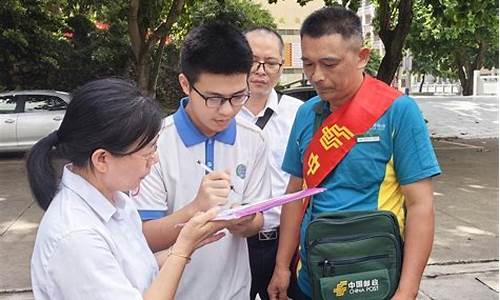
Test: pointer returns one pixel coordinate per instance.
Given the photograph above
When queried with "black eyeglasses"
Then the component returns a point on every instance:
(217, 101)
(268, 67)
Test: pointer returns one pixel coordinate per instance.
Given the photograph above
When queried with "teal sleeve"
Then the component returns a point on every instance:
(414, 157)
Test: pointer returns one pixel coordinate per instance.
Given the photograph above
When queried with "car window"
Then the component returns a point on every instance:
(37, 103)
(7, 105)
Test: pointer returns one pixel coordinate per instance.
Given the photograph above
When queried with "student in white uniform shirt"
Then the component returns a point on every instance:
(275, 115)
(215, 62)
(89, 243)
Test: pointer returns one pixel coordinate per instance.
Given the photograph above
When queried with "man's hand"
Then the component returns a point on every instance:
(241, 226)
(214, 190)
(278, 286)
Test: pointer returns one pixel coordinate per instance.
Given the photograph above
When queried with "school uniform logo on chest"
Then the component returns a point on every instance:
(241, 171)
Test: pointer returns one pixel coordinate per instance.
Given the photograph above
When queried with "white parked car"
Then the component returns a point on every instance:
(27, 116)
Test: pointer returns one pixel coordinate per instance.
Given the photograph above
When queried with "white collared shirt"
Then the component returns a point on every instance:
(88, 248)
(276, 131)
(219, 270)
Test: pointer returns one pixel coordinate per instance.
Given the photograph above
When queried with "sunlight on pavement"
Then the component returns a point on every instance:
(19, 225)
(467, 230)
(475, 186)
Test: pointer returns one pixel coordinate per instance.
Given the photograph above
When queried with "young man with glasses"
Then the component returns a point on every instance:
(273, 113)
(215, 63)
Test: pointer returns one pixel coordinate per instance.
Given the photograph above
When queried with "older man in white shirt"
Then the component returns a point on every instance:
(274, 114)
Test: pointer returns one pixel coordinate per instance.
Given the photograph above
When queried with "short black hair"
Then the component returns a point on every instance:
(270, 31)
(109, 114)
(217, 48)
(332, 20)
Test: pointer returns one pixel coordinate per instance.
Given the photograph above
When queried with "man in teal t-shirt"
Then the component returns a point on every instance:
(389, 168)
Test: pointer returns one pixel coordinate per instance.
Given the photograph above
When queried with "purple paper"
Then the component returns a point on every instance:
(246, 210)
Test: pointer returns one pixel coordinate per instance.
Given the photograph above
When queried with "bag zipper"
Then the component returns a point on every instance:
(347, 238)
(338, 221)
(358, 237)
(328, 266)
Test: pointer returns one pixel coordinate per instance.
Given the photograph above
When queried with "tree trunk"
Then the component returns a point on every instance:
(465, 75)
(466, 68)
(467, 87)
(389, 66)
(142, 45)
(143, 69)
(421, 83)
(393, 38)
(156, 67)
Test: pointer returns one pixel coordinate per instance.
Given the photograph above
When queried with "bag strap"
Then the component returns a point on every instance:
(319, 116)
(262, 121)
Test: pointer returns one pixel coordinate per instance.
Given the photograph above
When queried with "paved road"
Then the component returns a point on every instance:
(464, 261)
(459, 116)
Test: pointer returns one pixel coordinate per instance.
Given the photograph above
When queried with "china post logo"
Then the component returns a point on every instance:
(340, 289)
(356, 287)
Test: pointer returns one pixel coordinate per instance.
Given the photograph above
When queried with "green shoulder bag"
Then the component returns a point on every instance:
(354, 255)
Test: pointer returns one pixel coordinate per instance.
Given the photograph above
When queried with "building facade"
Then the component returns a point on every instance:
(289, 15)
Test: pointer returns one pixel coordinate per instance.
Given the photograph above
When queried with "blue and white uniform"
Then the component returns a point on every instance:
(219, 270)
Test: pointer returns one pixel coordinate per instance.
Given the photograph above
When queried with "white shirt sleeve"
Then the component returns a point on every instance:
(83, 267)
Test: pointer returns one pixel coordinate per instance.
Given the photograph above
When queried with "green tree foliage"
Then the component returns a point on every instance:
(452, 38)
(352, 5)
(53, 45)
(57, 44)
(374, 62)
(240, 13)
(29, 44)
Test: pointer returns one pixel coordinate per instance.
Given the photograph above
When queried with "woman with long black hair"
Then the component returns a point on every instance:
(90, 244)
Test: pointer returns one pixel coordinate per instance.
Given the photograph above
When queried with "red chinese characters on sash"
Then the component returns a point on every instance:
(337, 134)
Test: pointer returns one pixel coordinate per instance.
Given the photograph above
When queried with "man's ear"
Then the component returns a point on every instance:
(100, 159)
(364, 57)
(184, 82)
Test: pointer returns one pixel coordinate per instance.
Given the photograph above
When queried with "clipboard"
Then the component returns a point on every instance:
(263, 205)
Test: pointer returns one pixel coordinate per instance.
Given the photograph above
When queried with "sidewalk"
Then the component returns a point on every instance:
(463, 264)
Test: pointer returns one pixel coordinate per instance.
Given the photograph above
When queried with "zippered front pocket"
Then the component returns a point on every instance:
(331, 257)
(328, 266)
(355, 249)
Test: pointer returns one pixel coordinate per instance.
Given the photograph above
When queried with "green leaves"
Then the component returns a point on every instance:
(455, 35)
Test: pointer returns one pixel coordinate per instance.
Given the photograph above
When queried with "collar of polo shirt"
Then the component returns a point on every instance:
(191, 135)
